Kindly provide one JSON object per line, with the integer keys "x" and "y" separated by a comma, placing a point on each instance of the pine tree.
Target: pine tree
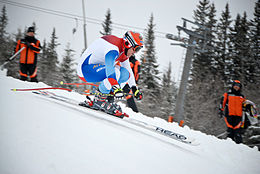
{"x": 201, "y": 63}
{"x": 3, "y": 24}
{"x": 201, "y": 13}
{"x": 223, "y": 64}
{"x": 213, "y": 87}
{"x": 149, "y": 74}
{"x": 239, "y": 48}
{"x": 202, "y": 60}
{"x": 13, "y": 66}
{"x": 43, "y": 63}
{"x": 68, "y": 73}
{"x": 51, "y": 61}
{"x": 7, "y": 47}
{"x": 168, "y": 93}
{"x": 252, "y": 89}
{"x": 200, "y": 71}
{"x": 4, "y": 49}
{"x": 107, "y": 29}
{"x": 201, "y": 100}
{"x": 149, "y": 61}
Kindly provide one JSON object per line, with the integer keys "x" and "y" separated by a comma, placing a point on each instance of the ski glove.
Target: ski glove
{"x": 118, "y": 92}
{"x": 29, "y": 45}
{"x": 138, "y": 95}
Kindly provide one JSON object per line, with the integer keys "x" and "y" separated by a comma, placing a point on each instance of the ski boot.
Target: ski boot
{"x": 96, "y": 103}
{"x": 110, "y": 107}
{"x": 105, "y": 104}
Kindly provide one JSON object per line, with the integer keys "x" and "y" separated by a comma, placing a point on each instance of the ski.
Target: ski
{"x": 173, "y": 135}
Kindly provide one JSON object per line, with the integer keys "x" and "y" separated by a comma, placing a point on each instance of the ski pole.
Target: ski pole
{"x": 12, "y": 57}
{"x": 96, "y": 93}
{"x": 38, "y": 89}
{"x": 99, "y": 93}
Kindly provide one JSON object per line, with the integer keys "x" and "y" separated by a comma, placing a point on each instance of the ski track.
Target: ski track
{"x": 113, "y": 121}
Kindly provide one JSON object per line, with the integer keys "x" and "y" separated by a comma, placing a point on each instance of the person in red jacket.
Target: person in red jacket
{"x": 106, "y": 60}
{"x": 28, "y": 56}
{"x": 231, "y": 107}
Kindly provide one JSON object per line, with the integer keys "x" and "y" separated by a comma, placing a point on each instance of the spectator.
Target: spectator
{"x": 135, "y": 65}
{"x": 28, "y": 56}
{"x": 231, "y": 107}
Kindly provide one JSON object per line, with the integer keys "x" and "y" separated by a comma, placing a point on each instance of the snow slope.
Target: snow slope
{"x": 49, "y": 137}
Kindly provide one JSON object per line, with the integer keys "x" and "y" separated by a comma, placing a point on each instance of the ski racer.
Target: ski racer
{"x": 106, "y": 60}
{"x": 231, "y": 107}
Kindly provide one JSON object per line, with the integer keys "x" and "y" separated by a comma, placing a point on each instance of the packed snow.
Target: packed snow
{"x": 43, "y": 136}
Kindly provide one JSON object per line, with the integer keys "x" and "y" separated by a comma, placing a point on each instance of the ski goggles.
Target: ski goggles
{"x": 137, "y": 48}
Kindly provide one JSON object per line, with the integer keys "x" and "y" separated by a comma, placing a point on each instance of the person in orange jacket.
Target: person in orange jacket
{"x": 135, "y": 65}
{"x": 231, "y": 107}
{"x": 28, "y": 56}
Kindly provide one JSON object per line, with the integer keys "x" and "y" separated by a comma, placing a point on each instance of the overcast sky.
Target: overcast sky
{"x": 127, "y": 15}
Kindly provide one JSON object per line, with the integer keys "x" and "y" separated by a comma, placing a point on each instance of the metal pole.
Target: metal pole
{"x": 184, "y": 80}
{"x": 11, "y": 58}
{"x": 84, "y": 25}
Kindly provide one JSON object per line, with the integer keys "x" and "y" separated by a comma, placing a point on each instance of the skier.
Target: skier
{"x": 231, "y": 107}
{"x": 28, "y": 57}
{"x": 135, "y": 65}
{"x": 106, "y": 60}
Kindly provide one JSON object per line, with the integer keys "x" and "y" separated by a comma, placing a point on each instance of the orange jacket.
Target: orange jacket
{"x": 232, "y": 104}
{"x": 29, "y": 54}
{"x": 135, "y": 65}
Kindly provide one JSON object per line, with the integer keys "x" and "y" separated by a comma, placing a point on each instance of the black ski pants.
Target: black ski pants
{"x": 28, "y": 69}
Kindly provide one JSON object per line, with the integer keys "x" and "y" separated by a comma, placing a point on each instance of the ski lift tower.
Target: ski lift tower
{"x": 84, "y": 25}
{"x": 190, "y": 44}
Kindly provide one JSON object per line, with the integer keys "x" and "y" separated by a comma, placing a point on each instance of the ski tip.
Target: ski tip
{"x": 13, "y": 89}
{"x": 61, "y": 82}
{"x": 125, "y": 115}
